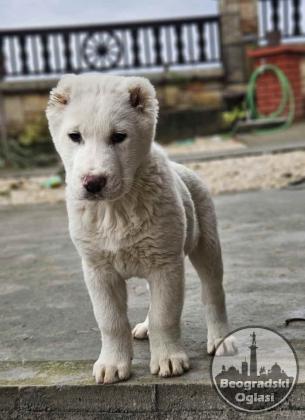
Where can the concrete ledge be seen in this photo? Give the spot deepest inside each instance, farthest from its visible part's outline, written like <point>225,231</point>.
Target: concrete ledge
<point>27,86</point>
<point>65,390</point>
<point>159,78</point>
<point>191,401</point>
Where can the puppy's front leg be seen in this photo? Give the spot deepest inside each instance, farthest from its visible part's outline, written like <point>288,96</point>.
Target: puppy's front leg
<point>167,289</point>
<point>107,291</point>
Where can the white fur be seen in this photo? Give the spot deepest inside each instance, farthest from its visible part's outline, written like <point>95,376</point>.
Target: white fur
<point>151,214</point>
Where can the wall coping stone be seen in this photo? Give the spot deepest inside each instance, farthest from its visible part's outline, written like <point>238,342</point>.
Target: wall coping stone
<point>181,77</point>
<point>276,50</point>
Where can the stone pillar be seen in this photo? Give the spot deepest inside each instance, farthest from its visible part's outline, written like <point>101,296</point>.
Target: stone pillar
<point>239,30</point>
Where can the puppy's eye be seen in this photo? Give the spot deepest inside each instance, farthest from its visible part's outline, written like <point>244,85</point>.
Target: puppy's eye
<point>118,137</point>
<point>75,136</point>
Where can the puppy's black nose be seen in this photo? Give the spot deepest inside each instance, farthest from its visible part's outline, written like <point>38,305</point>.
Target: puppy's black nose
<point>94,183</point>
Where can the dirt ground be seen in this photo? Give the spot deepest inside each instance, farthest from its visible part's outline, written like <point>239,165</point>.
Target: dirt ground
<point>222,176</point>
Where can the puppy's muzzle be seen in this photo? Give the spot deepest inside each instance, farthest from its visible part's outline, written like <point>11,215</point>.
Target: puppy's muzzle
<point>94,184</point>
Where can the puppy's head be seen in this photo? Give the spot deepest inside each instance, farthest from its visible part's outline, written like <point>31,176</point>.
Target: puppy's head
<point>102,127</point>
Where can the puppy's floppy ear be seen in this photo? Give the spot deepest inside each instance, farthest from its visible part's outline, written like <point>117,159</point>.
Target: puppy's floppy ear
<point>60,95</point>
<point>136,97</point>
<point>142,95</point>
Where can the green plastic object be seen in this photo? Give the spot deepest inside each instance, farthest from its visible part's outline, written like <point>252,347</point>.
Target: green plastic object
<point>185,142</point>
<point>52,182</point>
<point>287,97</point>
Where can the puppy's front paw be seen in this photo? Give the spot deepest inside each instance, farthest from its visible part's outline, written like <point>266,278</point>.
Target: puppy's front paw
<point>222,347</point>
<point>108,372</point>
<point>169,363</point>
<point>140,331</point>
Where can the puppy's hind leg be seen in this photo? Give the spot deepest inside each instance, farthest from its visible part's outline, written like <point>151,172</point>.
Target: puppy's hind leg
<point>207,260</point>
<point>140,330</point>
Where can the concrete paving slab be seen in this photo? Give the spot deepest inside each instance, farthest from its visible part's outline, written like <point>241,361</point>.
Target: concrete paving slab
<point>257,144</point>
<point>291,135</point>
<point>49,339</point>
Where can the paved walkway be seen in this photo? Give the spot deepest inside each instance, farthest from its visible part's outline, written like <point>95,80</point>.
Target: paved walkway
<point>254,144</point>
<point>48,335</point>
<point>292,135</point>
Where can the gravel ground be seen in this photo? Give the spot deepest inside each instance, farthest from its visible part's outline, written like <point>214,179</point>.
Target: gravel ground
<point>223,176</point>
<point>28,190</point>
<point>252,173</point>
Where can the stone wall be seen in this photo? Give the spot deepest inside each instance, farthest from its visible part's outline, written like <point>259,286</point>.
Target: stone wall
<point>191,103</point>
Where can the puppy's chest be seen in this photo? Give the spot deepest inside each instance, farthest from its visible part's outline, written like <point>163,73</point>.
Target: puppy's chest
<point>130,244</point>
<point>129,255</point>
<point>100,237</point>
<point>137,260</point>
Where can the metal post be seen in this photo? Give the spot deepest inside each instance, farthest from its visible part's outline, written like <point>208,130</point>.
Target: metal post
<point>3,130</point>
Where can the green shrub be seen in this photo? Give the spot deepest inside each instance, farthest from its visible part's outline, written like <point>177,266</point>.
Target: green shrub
<point>35,132</point>
<point>231,117</point>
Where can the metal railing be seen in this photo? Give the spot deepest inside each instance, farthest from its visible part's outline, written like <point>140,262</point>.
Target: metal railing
<point>121,46</point>
<point>286,17</point>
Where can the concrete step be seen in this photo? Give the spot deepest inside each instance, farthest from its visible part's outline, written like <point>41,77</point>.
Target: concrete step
<point>260,123</point>
<point>65,390</point>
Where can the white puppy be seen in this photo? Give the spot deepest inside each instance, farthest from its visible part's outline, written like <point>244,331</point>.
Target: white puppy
<point>132,212</point>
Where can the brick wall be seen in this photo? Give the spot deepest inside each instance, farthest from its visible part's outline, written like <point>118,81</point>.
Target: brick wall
<point>288,59</point>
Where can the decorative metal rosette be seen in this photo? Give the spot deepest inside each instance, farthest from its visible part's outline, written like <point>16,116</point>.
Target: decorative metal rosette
<point>102,50</point>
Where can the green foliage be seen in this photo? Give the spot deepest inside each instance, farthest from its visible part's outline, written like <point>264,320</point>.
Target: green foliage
<point>33,147</point>
<point>35,132</point>
<point>236,114</point>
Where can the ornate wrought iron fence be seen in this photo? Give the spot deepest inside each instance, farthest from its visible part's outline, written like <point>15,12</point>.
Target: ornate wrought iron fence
<point>123,46</point>
<point>284,16</point>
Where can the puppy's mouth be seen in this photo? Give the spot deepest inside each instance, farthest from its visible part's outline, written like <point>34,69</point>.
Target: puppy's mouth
<point>93,197</point>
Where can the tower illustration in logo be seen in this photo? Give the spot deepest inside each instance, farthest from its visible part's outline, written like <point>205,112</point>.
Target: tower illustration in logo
<point>253,359</point>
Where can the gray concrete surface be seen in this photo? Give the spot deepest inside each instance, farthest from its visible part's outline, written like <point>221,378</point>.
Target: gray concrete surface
<point>48,336</point>
<point>257,143</point>
<point>293,135</point>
